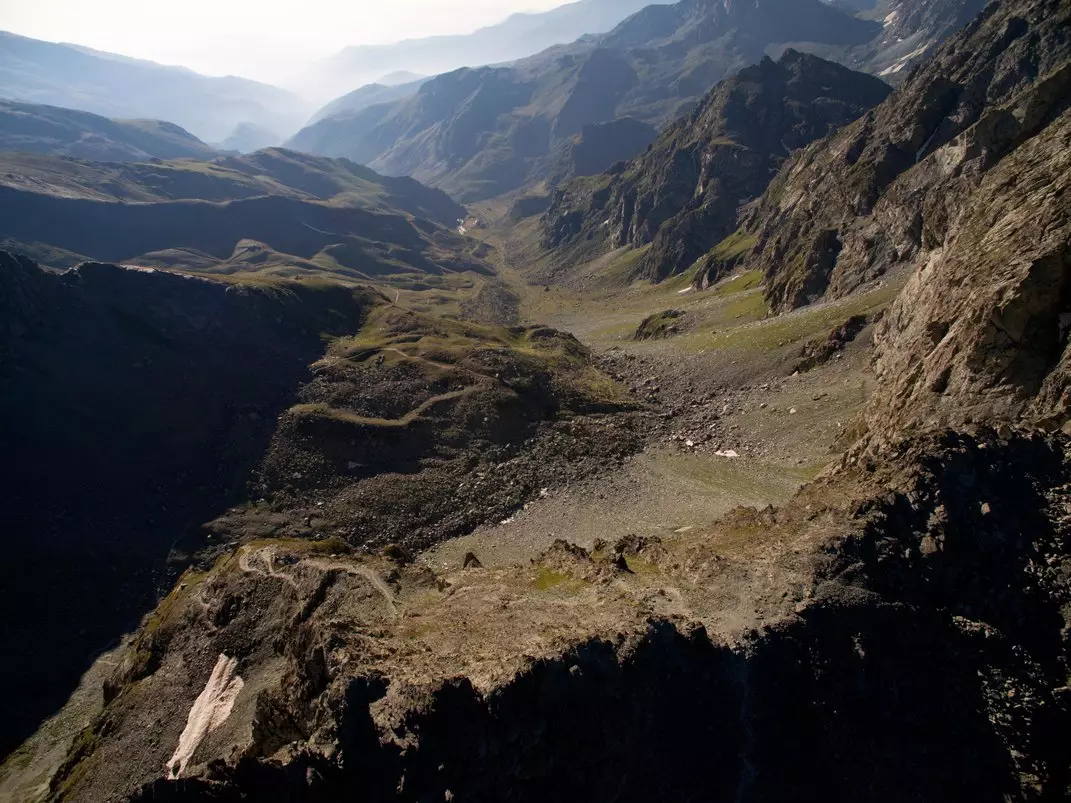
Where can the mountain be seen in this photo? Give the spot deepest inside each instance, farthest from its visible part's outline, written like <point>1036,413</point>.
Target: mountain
<point>682,195</point>
<point>51,130</point>
<point>249,137</point>
<point>271,212</point>
<point>361,98</point>
<point>588,153</point>
<point>399,77</point>
<point>911,32</point>
<point>888,189</point>
<point>482,132</point>
<point>114,86</point>
<point>518,36</point>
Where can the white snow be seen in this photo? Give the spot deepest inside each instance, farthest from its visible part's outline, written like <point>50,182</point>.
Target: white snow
<point>210,710</point>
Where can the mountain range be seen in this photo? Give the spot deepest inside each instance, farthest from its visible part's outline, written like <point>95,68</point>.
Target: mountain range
<point>682,195</point>
<point>481,132</point>
<point>33,128</point>
<point>720,450</point>
<point>114,86</point>
<point>517,36</point>
<point>271,212</point>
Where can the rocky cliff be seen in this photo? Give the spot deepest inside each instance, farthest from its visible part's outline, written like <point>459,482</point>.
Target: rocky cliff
<point>884,190</point>
<point>683,194</point>
<point>919,655</point>
<point>980,332</point>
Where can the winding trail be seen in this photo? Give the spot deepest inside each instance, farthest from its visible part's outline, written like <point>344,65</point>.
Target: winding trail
<point>248,562</point>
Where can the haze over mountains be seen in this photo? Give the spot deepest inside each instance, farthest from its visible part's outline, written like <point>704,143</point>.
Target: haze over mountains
<point>516,37</point>
<point>35,128</point>
<point>481,132</point>
<point>115,86</point>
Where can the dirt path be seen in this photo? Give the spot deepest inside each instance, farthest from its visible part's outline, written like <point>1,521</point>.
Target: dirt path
<point>262,561</point>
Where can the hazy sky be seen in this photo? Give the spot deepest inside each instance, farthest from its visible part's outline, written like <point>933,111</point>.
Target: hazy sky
<point>254,38</point>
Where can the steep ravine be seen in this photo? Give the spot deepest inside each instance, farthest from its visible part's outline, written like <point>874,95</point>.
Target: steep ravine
<point>135,403</point>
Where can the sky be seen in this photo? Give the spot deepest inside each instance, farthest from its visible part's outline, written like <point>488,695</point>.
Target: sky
<point>269,40</point>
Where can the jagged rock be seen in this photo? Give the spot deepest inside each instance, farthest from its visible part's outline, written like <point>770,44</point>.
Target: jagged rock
<point>683,194</point>
<point>883,191</point>
<point>818,352</point>
<point>980,331</point>
<point>931,637</point>
<point>471,561</point>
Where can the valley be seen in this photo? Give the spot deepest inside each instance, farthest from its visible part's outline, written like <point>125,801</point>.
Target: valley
<point>680,413</point>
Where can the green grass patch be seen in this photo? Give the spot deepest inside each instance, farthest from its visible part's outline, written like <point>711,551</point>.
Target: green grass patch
<point>735,245</point>
<point>791,328</point>
<point>739,283</point>
<point>548,578</point>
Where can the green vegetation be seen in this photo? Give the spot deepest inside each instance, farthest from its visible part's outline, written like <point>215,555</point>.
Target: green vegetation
<point>734,246</point>
<point>741,282</point>
<point>772,333</point>
<point>546,579</point>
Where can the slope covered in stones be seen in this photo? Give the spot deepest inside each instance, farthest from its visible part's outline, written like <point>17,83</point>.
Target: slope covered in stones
<point>682,195</point>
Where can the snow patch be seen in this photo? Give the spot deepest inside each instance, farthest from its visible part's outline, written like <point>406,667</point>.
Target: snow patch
<point>210,710</point>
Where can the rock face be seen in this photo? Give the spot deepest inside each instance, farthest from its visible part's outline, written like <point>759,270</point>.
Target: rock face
<point>481,132</point>
<point>980,332</point>
<point>884,190</point>
<point>135,404</point>
<point>911,31</point>
<point>683,194</point>
<point>924,654</point>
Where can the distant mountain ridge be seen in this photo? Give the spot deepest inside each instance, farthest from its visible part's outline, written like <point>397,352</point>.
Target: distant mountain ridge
<point>56,131</point>
<point>272,212</point>
<point>116,86</point>
<point>518,36</point>
<point>481,132</point>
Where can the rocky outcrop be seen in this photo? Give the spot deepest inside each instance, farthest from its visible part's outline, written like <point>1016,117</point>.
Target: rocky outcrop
<point>882,192</point>
<point>980,332</point>
<point>682,196</point>
<point>921,654</point>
